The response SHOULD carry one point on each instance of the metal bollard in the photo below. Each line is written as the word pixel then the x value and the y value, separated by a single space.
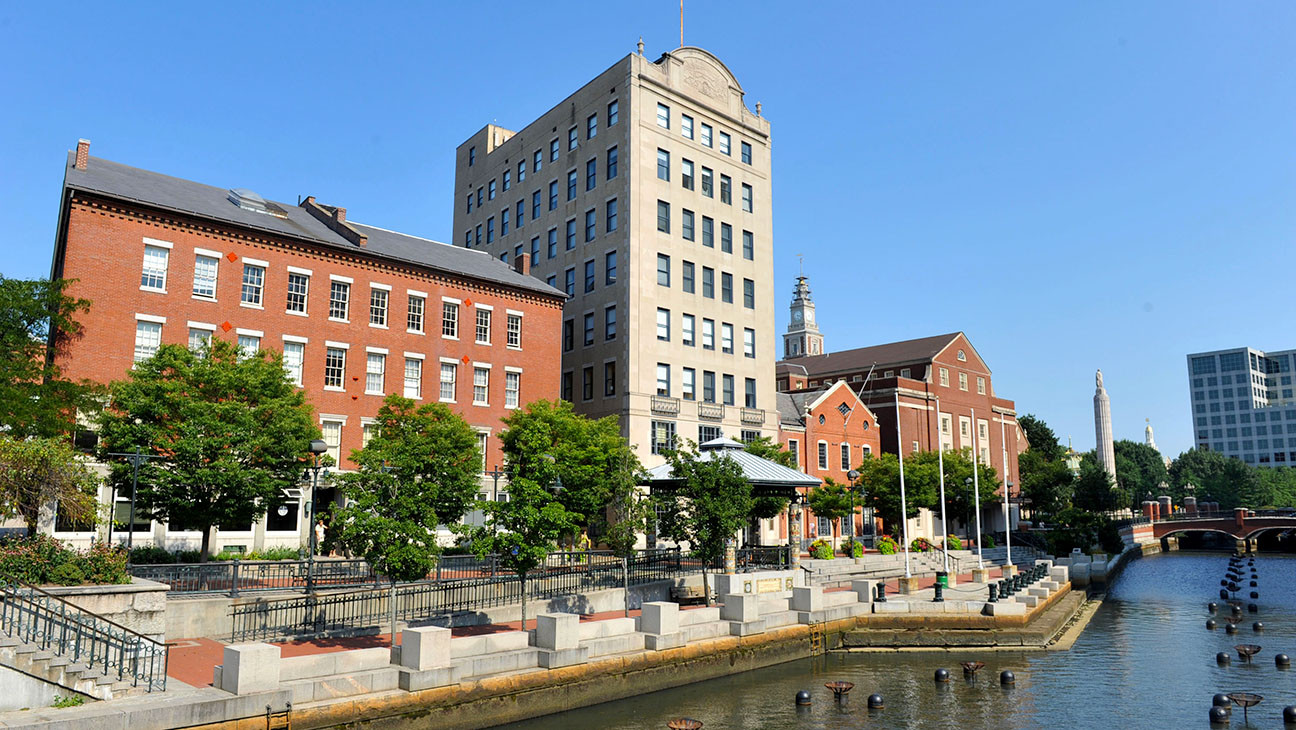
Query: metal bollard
pixel 234 576
pixel 940 596
pixel 994 594
pixel 881 592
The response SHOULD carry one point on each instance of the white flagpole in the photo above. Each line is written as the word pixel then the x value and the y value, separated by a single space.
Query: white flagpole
pixel 976 489
pixel 904 505
pixel 1003 443
pixel 940 458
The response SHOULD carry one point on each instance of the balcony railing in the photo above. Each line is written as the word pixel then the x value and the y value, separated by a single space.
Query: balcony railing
pixel 713 411
pixel 753 415
pixel 662 404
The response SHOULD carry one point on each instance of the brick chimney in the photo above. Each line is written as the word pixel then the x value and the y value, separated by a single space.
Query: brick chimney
pixel 522 264
pixel 82 154
pixel 335 219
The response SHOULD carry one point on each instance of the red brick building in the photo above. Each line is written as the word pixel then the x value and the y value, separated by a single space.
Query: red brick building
pixel 830 431
pixel 917 374
pixel 359 312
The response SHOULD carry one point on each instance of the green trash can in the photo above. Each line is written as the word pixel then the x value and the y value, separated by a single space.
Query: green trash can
pixel 942 578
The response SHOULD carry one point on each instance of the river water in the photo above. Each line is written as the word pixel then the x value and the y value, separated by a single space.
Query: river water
pixel 1146 660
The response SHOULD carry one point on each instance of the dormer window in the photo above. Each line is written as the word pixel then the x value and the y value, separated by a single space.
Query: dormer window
pixel 250 201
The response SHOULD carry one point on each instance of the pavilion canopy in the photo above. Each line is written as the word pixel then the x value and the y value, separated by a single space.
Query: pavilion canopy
pixel 768 478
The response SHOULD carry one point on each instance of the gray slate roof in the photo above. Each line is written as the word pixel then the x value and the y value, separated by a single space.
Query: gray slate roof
pixel 115 180
pixel 892 353
pixel 758 471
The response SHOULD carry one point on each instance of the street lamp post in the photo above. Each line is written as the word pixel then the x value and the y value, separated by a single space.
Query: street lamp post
pixel 136 458
pixel 317 448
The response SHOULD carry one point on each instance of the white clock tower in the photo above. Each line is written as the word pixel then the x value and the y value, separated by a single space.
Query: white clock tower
pixel 802 337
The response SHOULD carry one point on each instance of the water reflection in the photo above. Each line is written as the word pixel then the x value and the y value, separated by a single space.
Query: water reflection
pixel 1145 661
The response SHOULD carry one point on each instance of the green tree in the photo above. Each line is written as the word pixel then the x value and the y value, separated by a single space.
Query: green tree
pixel 37 472
pixel 37 323
pixel 1139 469
pixel 711 504
pixel 1041 438
pixel 961 502
pixel 831 501
pixel 228 433
pixel 1047 485
pixel 1095 491
pixel 764 508
pixel 419 470
pixel 1227 480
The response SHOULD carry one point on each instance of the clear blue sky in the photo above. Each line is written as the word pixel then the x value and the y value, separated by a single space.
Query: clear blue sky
pixel 1075 185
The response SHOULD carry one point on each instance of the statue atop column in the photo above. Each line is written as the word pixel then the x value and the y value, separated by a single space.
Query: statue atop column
pixel 1105 450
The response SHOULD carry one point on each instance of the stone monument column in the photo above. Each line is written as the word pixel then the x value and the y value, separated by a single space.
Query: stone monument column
pixel 794 535
pixel 1106 451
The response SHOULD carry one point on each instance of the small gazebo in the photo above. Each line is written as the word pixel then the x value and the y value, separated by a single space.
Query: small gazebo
pixel 767 478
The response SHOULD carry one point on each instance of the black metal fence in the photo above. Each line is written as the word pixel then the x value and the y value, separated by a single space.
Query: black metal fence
pixel 237 576
pixel 52 624
pixel 341 613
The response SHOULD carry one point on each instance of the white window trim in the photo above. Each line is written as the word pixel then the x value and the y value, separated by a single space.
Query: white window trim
pixel 487 307
pixel 338 345
pixel 416 293
pixel 332 417
pixel 376 285
pixel 510 369
pixel 257 262
pixel 481 365
pixel 299 270
pixel 448 360
pixel 513 312
pixel 249 333
pixel 205 252
pixel 452 300
pixel 155 319
pixel 198 325
pixel 343 279
pixel 415 356
pixel 298 314
pixel 377 350
pixel 155 242
pixel 295 338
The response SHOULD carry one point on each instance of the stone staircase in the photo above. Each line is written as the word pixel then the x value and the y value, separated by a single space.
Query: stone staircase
pixel 76 677
pixel 839 572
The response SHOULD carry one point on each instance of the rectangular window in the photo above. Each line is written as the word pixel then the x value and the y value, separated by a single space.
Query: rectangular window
pixel 154 275
pixel 375 372
pixel 746 149
pixel 663 270
pixel 708 433
pixel 749 392
pixel 339 300
pixel 609 378
pixel 708 282
pixel 508 177
pixel 944 377
pixel 591 174
pixel 572 138
pixel 569 285
pixel 413 378
pixel 148 338
pixel 708 387
pixel 588 331
pixel 298 291
pixel 331 431
pixel 553 194
pixel 663 324
pixel 686 224
pixel 663 165
pixel 706 135
pixel 749 342
pixel 591 126
pixel 490 190
pixel 481 386
pixel 707 187
pixel 504 222
pixel 514 331
pixel 613 108
pixel 536 161
pixel 448 372
pixel 334 367
pixel 794 448
pixel 450 319
pixel 610 215
pixel 553 150
pixel 567 386
pixel 571 185
pixel 686 126
pixel 521 170
pixel 483 326
pixel 749 246
pixel 490 229
pixel 726 338
pixel 749 294
pixel 204 281
pixel 708 232
pixel 535 250
pixel 663 379
pixel 478 237
pixel 663 436
pixel 686 174
pixel 688 384
pixel 472 156
pixel 612 163
pixel 571 234
pixel 479 197
pixel 535 204
pixel 587 382
pixel 552 244
pixel 747 198
pixel 724 143
pixel 687 325
pixel 726 238
pixel 248 345
pixel 591 225
pixel 981 389
pixel 663 116
pixel 610 268
pixel 512 387
pixel 521 214
pixel 728 384
pixel 726 287
pixel 663 216
pixel 686 276
pixel 589 276
pixel 294 355
pixel 708 334
pixel 253 284
pixel 726 190
pixel 378 307
pixel 610 323
pixel 845 457
pixel 963 384
pixel 823 456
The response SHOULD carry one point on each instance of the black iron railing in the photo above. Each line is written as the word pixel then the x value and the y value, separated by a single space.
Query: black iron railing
pixel 52 624
pixel 238 576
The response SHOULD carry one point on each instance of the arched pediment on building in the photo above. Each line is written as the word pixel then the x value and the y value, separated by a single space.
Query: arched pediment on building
pixel 704 72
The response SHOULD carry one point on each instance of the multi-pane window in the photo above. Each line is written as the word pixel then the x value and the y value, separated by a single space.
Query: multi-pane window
pixel 724 143
pixel 688 384
pixel 248 346
pixel 148 338
pixel 514 330
pixel 663 324
pixel 845 457
pixel 375 372
pixel 414 322
pixel 521 170
pixel 747 198
pixel 686 224
pixel 504 222
pixel 591 225
pixel 686 329
pixel 749 342
pixel 706 135
pixel 449 319
pixel 610 323
pixel 663 216
pixel 749 392
pixel 448 373
pixel 663 116
pixel 963 381
pixel 587 382
pixel 823 455
pixel 589 276
pixel 686 126
pixel 553 150
pixel 204 280
pixel 708 188
pixel 481 386
pixel 944 376
pixel 726 238
pixel 536 160
pixel 553 194
pixel 708 433
pixel 663 379
pixel 611 215
pixel 331 431
pixel 571 234
pixel 708 232
pixel 199 338
pixel 708 282
pixel 490 229
pixel 571 184
pixel 749 294
pixel 663 270
pixel 708 387
pixel 413 377
pixel 508 178
pixel 535 204
pixel 663 436
pixel 483 329
pixel 746 153
pixel 708 334
pixel 726 287
pixel 566 388
pixel 569 285
pixel 568 335
pixel 339 299
pixel 981 389
pixel 552 244
pixel 613 107
pixel 155 268
pixel 609 378
pixel 591 126
pixel 572 138
pixel 726 190
pixel 294 355
pixel 334 367
pixel 726 338
pixel 298 291
pixel 588 328
pixel 663 165
pixel 749 245
pixel 378 299
pixel 610 268
pixel 591 173
pixel 612 163
pixel 253 284
pixel 490 190
pixel 512 386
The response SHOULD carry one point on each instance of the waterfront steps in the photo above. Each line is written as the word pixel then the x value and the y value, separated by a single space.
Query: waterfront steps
pixel 50 667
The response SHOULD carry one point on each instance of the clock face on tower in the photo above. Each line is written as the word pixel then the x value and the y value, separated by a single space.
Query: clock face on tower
pixel 809 315
pixel 796 315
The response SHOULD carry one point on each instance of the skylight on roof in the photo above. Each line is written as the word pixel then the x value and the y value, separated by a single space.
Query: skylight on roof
pixel 248 200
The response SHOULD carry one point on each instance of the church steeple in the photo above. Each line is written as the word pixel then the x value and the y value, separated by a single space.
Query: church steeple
pixel 802 337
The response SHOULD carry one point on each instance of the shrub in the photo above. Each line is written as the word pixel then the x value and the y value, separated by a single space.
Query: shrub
pixel 821 549
pixel 41 560
pixel 887 545
pixel 953 543
pixel 67 574
pixel 61 701
pixel 989 541
pixel 919 545
pixel 151 555
pixel 853 549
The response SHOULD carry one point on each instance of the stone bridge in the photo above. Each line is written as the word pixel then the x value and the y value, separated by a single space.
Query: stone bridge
pixel 1242 524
